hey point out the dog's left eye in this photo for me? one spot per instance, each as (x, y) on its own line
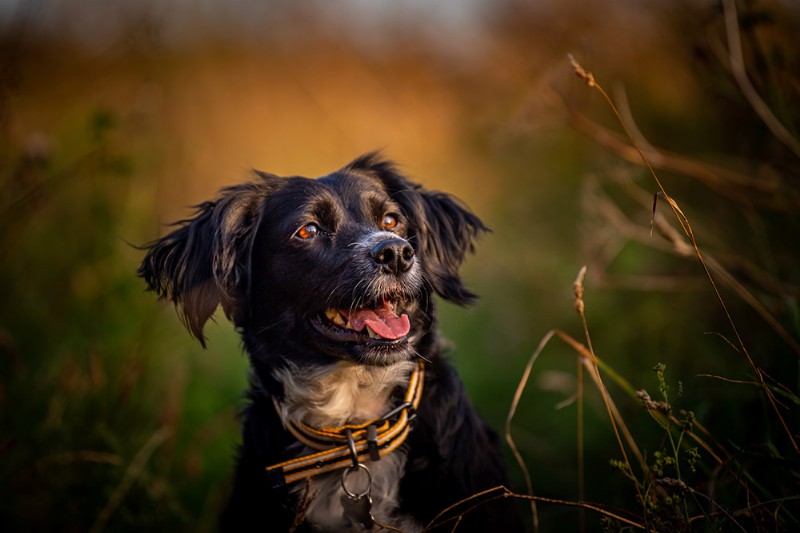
(309, 231)
(389, 221)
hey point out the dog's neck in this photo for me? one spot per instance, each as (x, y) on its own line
(340, 393)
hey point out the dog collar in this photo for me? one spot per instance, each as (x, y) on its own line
(351, 444)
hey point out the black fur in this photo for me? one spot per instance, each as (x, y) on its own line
(243, 252)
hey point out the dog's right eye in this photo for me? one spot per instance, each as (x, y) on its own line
(309, 231)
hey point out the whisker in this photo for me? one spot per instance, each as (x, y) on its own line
(416, 353)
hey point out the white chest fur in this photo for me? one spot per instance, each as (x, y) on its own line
(346, 393)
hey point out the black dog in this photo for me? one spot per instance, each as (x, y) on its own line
(355, 416)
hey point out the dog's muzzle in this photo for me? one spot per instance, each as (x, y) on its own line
(387, 270)
(394, 255)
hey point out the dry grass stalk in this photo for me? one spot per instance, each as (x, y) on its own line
(591, 363)
(699, 434)
(577, 288)
(131, 474)
(743, 80)
(500, 492)
(84, 456)
(302, 506)
(513, 409)
(687, 229)
(671, 241)
(772, 194)
(594, 372)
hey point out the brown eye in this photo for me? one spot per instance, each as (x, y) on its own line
(389, 221)
(309, 231)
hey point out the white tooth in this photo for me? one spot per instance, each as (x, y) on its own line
(372, 334)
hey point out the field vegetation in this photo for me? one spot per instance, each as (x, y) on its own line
(664, 158)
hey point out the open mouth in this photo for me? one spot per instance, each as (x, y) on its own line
(385, 323)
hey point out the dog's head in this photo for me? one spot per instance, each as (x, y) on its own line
(339, 267)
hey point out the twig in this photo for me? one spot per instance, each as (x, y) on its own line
(777, 387)
(386, 527)
(713, 502)
(742, 79)
(729, 380)
(134, 470)
(732, 185)
(88, 456)
(505, 493)
(302, 506)
(500, 488)
(513, 409)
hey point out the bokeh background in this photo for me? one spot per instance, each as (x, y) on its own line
(118, 116)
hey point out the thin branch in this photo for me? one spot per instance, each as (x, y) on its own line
(768, 194)
(505, 493)
(739, 71)
(131, 474)
(512, 410)
(302, 506)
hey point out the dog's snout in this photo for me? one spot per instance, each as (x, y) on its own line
(396, 255)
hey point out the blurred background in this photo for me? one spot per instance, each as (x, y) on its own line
(115, 117)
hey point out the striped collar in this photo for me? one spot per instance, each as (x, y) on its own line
(344, 446)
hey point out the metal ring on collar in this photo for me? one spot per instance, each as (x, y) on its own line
(359, 495)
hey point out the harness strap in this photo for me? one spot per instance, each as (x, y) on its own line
(371, 440)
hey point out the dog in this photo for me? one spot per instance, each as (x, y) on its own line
(355, 418)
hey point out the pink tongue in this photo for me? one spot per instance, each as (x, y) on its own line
(382, 321)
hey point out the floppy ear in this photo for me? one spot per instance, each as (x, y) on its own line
(443, 229)
(205, 262)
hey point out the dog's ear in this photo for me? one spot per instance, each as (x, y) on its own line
(442, 229)
(205, 262)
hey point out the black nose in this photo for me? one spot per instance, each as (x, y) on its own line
(395, 255)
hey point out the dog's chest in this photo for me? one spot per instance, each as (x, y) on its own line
(347, 394)
(326, 511)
